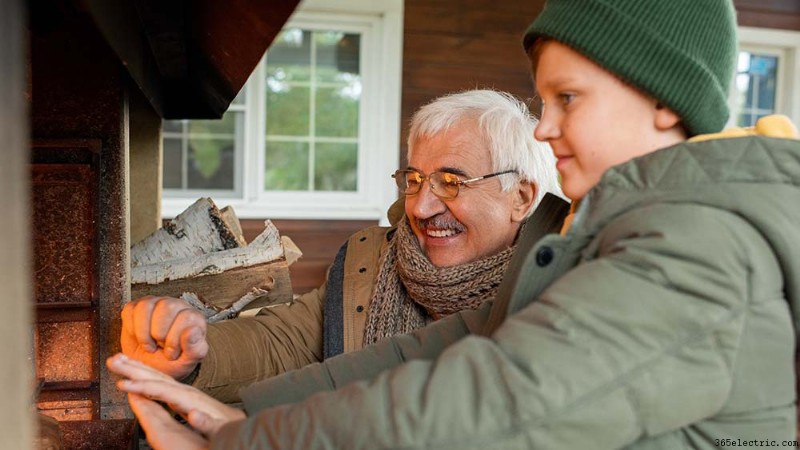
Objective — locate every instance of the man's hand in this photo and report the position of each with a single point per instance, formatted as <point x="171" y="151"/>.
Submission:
<point x="144" y="385"/>
<point x="165" y="333"/>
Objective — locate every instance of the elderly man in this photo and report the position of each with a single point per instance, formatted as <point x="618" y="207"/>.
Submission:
<point x="475" y="174"/>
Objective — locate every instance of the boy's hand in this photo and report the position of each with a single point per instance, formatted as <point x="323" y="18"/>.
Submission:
<point x="144" y="384"/>
<point x="163" y="432"/>
<point x="165" y="333"/>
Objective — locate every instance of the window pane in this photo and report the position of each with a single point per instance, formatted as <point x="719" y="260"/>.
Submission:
<point x="287" y="110"/>
<point x="172" y="164"/>
<point x="289" y="56"/>
<point x="764" y="68"/>
<point x="336" y="167"/>
<point x="211" y="164"/>
<point x="226" y="125"/>
<point x="748" y="100"/>
<point x="756" y="86"/>
<point x="286" y="166"/>
<point x="211" y="152"/>
<point x="338" y="56"/>
<point x="173" y="126"/>
<point x="337" y="111"/>
<point x="766" y="93"/>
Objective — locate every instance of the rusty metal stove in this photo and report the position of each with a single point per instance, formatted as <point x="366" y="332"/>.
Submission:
<point x="69" y="325"/>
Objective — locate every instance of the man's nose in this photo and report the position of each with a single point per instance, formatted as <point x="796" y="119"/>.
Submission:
<point x="426" y="203"/>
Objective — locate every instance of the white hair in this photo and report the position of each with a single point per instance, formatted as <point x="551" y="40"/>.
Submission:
<point x="506" y="126"/>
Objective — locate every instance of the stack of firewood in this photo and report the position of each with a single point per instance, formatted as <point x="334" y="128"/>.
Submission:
<point x="202" y="257"/>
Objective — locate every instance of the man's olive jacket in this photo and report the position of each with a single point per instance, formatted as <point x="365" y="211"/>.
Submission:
<point x="289" y="336"/>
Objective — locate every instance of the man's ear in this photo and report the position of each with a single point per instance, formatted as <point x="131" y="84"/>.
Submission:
<point x="524" y="197"/>
<point x="666" y="118"/>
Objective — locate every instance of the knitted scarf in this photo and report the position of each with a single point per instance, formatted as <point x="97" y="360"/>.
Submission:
<point x="410" y="292"/>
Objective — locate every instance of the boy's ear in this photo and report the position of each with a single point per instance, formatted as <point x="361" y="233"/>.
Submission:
<point x="666" y="118"/>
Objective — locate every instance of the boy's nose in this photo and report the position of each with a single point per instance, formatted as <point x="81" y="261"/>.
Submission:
<point x="426" y="203"/>
<point x="547" y="129"/>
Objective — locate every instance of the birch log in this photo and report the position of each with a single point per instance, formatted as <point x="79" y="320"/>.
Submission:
<point x="199" y="230"/>
<point x="221" y="278"/>
<point x="264" y="248"/>
<point x="232" y="221"/>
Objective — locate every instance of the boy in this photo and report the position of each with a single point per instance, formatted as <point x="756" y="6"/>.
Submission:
<point x="661" y="319"/>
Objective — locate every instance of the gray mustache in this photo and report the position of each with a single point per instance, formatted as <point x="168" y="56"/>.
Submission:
<point x="439" y="222"/>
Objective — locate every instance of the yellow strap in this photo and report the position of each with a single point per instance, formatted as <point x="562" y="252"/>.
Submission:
<point x="568" y="219"/>
<point x="775" y="125"/>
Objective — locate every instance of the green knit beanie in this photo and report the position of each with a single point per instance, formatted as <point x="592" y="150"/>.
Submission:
<point x="680" y="52"/>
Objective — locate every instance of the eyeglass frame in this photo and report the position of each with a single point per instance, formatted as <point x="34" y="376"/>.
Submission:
<point x="458" y="184"/>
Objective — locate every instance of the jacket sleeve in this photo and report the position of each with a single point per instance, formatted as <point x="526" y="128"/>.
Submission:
<point x="638" y="339"/>
<point x="248" y="349"/>
<point x="426" y="343"/>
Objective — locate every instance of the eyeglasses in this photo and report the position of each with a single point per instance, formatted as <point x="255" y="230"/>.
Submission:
<point x="444" y="184"/>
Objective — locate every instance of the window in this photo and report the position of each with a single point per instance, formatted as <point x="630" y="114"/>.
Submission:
<point x="314" y="90"/>
<point x="766" y="80"/>
<point x="314" y="132"/>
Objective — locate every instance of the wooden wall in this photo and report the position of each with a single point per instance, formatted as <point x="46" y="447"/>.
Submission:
<point x="783" y="14"/>
<point x="451" y="45"/>
<point x="319" y="241"/>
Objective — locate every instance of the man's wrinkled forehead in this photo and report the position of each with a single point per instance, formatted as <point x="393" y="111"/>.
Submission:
<point x="459" y="150"/>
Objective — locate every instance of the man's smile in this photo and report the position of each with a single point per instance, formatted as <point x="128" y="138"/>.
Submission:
<point x="441" y="233"/>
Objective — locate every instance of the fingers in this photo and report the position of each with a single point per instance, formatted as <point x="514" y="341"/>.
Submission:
<point x="181" y="398"/>
<point x="128" y="336"/>
<point x="165" y="333"/>
<point x="203" y="412"/>
<point x="209" y="421"/>
<point x="153" y="322"/>
<point x="130" y="368"/>
<point x="186" y="336"/>
<point x="162" y="431"/>
<point x="141" y="314"/>
<point x="203" y="422"/>
<point x="151" y="383"/>
<point x="158" y="318"/>
<point x="153" y="418"/>
<point x="193" y="343"/>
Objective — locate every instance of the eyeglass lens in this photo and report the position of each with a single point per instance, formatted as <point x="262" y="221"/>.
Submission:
<point x="443" y="184"/>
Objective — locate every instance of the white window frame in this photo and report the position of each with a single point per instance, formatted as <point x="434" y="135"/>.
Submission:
<point x="786" y="46"/>
<point x="380" y="23"/>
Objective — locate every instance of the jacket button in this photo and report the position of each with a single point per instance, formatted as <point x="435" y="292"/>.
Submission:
<point x="363" y="238"/>
<point x="359" y="308"/>
<point x="544" y="256"/>
<point x="362" y="270"/>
